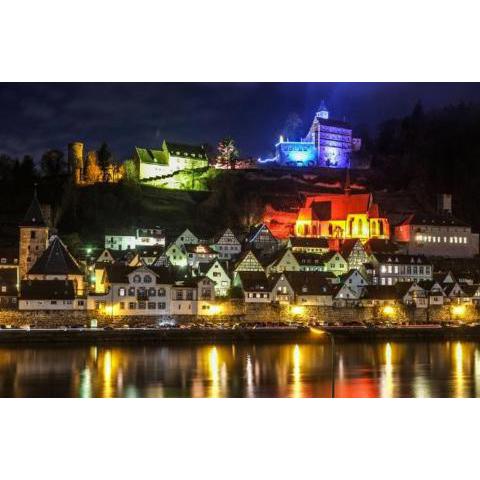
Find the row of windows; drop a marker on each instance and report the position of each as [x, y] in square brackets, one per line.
[258, 295]
[4, 260]
[234, 248]
[431, 239]
[143, 305]
[151, 292]
[406, 270]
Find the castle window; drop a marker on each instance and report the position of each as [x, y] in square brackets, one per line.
[147, 279]
[161, 292]
[33, 234]
[137, 279]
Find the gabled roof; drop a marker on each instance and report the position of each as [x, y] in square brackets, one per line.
[245, 254]
[428, 285]
[309, 258]
[184, 150]
[192, 282]
[34, 216]
[254, 281]
[10, 254]
[117, 273]
[8, 279]
[435, 219]
[340, 205]
[56, 260]
[309, 242]
[380, 292]
[147, 155]
[255, 231]
[401, 259]
[470, 290]
[308, 283]
[351, 272]
[348, 245]
[329, 255]
[204, 267]
[380, 245]
[150, 250]
[221, 234]
[200, 249]
[47, 290]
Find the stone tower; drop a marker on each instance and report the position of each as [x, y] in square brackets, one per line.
[75, 161]
[33, 237]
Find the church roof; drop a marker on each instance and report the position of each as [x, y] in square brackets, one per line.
[56, 260]
[340, 205]
[34, 216]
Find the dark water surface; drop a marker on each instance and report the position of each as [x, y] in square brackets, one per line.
[394, 369]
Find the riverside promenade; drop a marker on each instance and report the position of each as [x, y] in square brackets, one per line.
[295, 334]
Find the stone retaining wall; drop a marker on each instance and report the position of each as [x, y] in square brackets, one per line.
[237, 311]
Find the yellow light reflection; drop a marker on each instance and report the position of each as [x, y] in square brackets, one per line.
[387, 374]
[85, 383]
[107, 374]
[297, 372]
[459, 381]
[214, 374]
[249, 375]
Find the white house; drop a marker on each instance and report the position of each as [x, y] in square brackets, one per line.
[217, 271]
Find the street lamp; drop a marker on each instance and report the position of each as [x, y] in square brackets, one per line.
[330, 335]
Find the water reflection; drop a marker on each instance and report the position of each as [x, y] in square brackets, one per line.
[389, 369]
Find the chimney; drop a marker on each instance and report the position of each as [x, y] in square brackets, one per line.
[444, 203]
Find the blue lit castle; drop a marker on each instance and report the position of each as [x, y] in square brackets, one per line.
[329, 143]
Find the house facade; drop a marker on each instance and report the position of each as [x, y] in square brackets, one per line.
[390, 269]
[227, 245]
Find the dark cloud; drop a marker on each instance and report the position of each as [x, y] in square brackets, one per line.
[37, 117]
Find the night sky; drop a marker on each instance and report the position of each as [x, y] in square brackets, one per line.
[36, 117]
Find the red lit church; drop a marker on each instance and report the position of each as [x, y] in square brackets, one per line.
[332, 215]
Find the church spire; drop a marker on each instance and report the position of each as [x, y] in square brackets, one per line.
[322, 111]
[347, 187]
[34, 216]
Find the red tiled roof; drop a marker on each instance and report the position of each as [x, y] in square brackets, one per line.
[341, 204]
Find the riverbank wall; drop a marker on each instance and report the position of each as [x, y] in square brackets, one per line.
[240, 312]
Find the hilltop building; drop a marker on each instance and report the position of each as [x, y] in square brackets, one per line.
[171, 158]
[328, 143]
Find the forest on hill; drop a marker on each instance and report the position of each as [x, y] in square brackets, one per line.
[425, 153]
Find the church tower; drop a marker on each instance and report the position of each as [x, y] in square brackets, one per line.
[323, 111]
[33, 236]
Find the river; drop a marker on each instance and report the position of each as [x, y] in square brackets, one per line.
[381, 369]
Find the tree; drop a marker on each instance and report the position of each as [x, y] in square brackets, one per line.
[227, 153]
[104, 161]
[53, 163]
[26, 173]
[92, 171]
[130, 175]
[293, 126]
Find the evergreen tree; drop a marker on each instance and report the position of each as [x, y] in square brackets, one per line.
[104, 161]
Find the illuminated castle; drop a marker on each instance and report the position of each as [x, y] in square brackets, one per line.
[328, 143]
